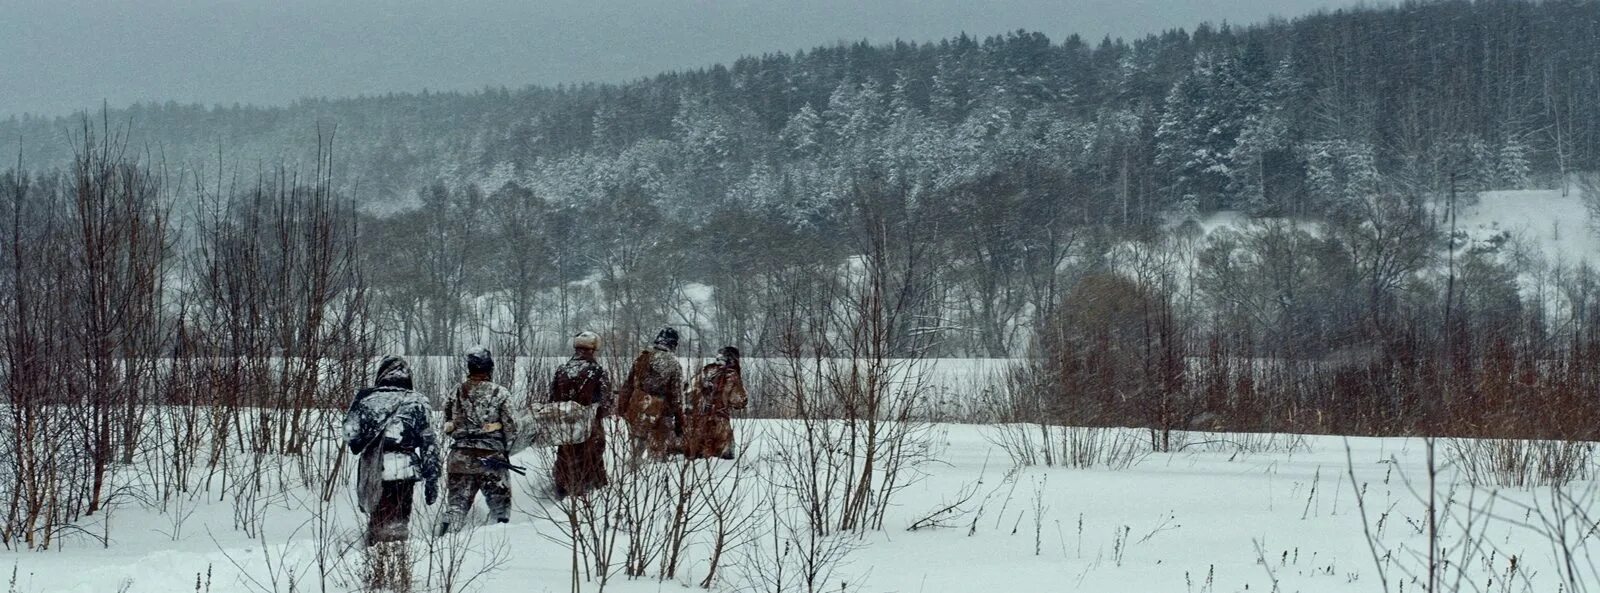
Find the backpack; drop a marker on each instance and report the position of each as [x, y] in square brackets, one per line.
[644, 408]
[398, 452]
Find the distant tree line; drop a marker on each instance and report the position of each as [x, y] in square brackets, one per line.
[1277, 117]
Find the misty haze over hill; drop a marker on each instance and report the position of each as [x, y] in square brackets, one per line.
[63, 56]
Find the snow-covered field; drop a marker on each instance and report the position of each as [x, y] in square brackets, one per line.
[1226, 513]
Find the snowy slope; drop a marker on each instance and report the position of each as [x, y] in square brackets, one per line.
[1557, 225]
[1554, 224]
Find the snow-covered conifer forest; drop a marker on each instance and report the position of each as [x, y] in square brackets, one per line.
[1307, 305]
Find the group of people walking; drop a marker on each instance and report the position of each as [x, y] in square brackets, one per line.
[390, 430]
[661, 422]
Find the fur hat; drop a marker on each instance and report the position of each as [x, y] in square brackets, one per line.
[479, 362]
[728, 355]
[586, 340]
[667, 339]
[393, 372]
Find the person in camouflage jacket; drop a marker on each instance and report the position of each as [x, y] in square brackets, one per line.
[388, 427]
[479, 421]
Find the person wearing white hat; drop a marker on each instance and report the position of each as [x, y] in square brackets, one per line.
[581, 468]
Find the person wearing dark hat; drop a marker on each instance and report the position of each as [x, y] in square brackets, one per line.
[651, 398]
[389, 427]
[479, 421]
[581, 468]
[714, 393]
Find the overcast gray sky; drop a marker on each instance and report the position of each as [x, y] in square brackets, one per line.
[58, 56]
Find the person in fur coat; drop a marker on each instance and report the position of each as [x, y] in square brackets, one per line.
[714, 393]
[581, 468]
[651, 399]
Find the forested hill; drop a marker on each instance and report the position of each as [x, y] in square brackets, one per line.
[1280, 117]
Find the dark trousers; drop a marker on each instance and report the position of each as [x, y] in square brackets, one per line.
[390, 520]
[581, 468]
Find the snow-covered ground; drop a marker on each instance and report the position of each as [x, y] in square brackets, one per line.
[1557, 225]
[1554, 223]
[1226, 513]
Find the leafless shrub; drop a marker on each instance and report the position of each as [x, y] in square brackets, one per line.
[1040, 508]
[1023, 427]
[645, 496]
[1026, 445]
[1086, 447]
[1566, 520]
[460, 561]
[651, 516]
[1520, 463]
[628, 526]
[1081, 447]
[690, 515]
[732, 518]
[1006, 488]
[1248, 443]
[334, 542]
[857, 438]
[1453, 521]
[276, 573]
[791, 555]
[85, 258]
[589, 532]
[949, 512]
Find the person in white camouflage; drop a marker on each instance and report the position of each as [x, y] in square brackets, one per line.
[479, 421]
[389, 428]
